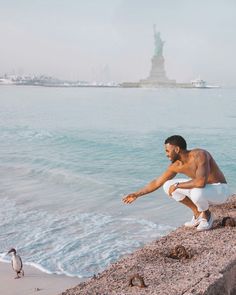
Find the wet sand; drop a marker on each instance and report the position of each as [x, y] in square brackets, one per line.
[34, 282]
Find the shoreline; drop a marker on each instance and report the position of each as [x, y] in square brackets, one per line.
[132, 85]
[206, 266]
[34, 281]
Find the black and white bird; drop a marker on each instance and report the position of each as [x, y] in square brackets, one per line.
[16, 263]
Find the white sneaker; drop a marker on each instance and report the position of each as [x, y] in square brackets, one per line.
[194, 222]
[204, 224]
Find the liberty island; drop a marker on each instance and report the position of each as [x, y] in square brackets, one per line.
[157, 76]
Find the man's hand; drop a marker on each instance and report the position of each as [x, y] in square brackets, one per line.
[172, 189]
[129, 198]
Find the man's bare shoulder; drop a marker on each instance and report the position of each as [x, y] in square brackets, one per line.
[198, 150]
[174, 167]
[198, 154]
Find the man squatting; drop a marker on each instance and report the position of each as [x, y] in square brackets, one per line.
[205, 185]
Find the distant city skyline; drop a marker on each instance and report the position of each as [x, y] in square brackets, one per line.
[113, 40]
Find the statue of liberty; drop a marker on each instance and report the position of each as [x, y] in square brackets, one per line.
[158, 42]
[157, 76]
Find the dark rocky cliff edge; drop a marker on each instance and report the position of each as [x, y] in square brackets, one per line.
[206, 265]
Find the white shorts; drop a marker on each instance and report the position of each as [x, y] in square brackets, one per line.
[215, 193]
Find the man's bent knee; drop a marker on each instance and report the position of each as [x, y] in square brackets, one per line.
[166, 186]
[175, 195]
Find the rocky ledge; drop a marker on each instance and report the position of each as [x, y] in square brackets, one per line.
[181, 263]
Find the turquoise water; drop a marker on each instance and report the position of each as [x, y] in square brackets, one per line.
[67, 156]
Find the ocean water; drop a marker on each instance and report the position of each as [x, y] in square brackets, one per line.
[68, 155]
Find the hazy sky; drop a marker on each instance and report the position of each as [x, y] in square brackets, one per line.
[86, 40]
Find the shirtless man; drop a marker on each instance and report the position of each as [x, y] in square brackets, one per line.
[206, 183]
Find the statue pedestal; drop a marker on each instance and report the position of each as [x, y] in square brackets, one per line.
[157, 75]
[158, 72]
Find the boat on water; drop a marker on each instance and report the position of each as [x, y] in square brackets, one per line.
[5, 81]
[199, 83]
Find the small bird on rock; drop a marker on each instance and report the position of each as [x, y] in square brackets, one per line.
[16, 263]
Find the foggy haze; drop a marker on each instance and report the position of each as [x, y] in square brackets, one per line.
[113, 40]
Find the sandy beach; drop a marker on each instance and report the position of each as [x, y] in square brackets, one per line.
[34, 282]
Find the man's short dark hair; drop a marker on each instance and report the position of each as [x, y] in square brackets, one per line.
[177, 140]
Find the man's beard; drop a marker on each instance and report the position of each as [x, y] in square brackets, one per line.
[175, 158]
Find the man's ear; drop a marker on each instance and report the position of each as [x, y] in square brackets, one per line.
[177, 149]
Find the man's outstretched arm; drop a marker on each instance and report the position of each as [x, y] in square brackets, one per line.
[150, 187]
